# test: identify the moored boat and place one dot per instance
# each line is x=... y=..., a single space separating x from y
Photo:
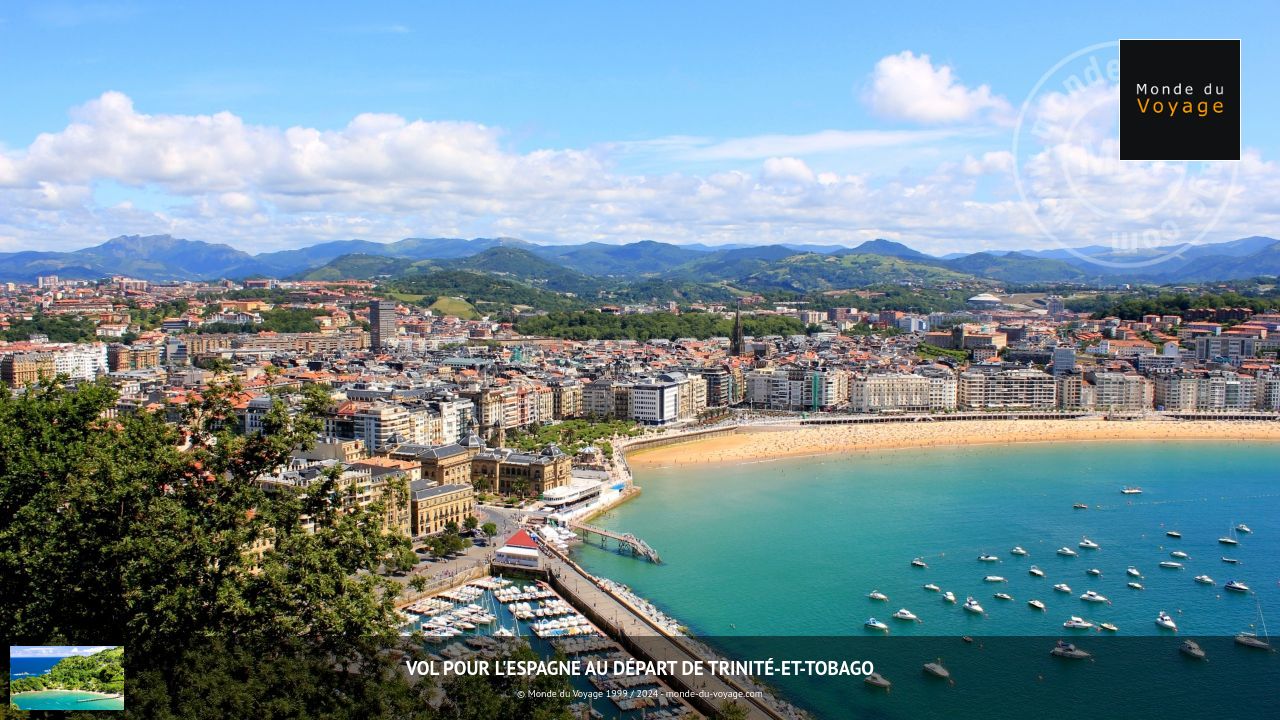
x=1133 y=572
x=1236 y=586
x=1067 y=552
x=994 y=579
x=1166 y=622
x=1036 y=604
x=1171 y=565
x=919 y=562
x=875 y=679
x=1230 y=561
x=1091 y=596
x=1130 y=490
x=877 y=595
x=1192 y=649
x=1036 y=571
x=1088 y=544
x=1204 y=580
x=971 y=605
x=1067 y=650
x=931 y=587
x=1179 y=554
x=1003 y=596
x=905 y=614
x=1173 y=534
x=937 y=670
x=988 y=558
x=1062 y=588
x=1095 y=572
x=1135 y=586
x=1077 y=623
x=1109 y=627
x=875 y=624
x=1018 y=550
x=949 y=596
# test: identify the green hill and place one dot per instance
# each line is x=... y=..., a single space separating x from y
x=455 y=307
x=101 y=672
x=812 y=271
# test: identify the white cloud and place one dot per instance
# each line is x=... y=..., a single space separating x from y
x=909 y=87
x=383 y=177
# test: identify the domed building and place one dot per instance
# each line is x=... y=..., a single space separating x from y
x=985 y=301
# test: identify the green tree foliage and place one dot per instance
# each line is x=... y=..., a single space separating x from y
x=151 y=318
x=571 y=435
x=1133 y=307
x=281 y=319
x=648 y=326
x=59 y=328
x=134 y=532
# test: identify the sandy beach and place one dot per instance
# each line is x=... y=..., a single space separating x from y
x=754 y=444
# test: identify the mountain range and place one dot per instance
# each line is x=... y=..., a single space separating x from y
x=598 y=266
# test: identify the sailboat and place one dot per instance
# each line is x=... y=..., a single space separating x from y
x=1251 y=639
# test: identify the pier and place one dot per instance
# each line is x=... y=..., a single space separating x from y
x=638 y=547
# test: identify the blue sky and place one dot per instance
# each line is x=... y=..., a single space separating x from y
x=28 y=651
x=622 y=111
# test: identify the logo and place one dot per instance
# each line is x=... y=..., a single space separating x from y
x=1116 y=213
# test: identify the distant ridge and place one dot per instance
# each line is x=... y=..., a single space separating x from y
x=582 y=266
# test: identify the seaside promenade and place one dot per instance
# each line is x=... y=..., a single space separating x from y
x=641 y=636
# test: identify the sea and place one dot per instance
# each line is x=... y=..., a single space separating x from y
x=24 y=666
x=776 y=559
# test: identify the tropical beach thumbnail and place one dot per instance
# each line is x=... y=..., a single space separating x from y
x=66 y=677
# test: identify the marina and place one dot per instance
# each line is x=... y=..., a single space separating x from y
x=702 y=548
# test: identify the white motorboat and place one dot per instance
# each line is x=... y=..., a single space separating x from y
x=1236 y=586
x=905 y=614
x=1171 y=565
x=1230 y=561
x=875 y=679
x=1065 y=649
x=1003 y=596
x=994 y=579
x=1036 y=604
x=1109 y=627
x=1204 y=580
x=875 y=624
x=1080 y=506
x=1166 y=622
x=1088 y=544
x=1134 y=490
x=1077 y=623
x=937 y=670
x=1179 y=554
x=1135 y=586
x=988 y=558
x=972 y=606
x=1018 y=550
x=1243 y=528
x=1067 y=552
x=931 y=587
x=1091 y=596
x=877 y=595
x=1173 y=534
x=919 y=562
x=1062 y=588
x=949 y=596
x=1095 y=572
x=1036 y=571
x=1133 y=572
x=1228 y=541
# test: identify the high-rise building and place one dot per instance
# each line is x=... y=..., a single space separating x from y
x=382 y=323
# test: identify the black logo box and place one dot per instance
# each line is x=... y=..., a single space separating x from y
x=1160 y=77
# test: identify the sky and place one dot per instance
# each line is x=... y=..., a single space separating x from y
x=59 y=651
x=275 y=125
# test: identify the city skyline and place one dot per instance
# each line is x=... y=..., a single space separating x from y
x=875 y=126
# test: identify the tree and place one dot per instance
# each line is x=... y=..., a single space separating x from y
x=418 y=583
x=403 y=559
x=470 y=523
x=489 y=529
x=132 y=530
x=451 y=527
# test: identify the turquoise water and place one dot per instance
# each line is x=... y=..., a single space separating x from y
x=793 y=547
x=65 y=700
